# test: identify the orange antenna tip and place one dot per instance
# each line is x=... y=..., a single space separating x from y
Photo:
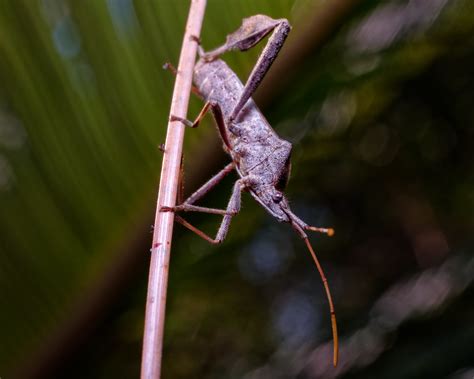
x=328 y=231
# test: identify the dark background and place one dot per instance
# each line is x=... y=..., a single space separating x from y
x=377 y=98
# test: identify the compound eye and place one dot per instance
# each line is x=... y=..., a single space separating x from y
x=277 y=197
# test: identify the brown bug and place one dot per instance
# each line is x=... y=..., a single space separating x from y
x=260 y=157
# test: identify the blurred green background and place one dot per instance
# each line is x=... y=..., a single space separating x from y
x=377 y=98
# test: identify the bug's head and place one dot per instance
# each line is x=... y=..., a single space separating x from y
x=275 y=202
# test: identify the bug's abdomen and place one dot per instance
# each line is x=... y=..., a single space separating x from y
x=217 y=82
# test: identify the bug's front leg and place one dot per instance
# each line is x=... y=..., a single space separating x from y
x=233 y=207
x=218 y=116
x=188 y=204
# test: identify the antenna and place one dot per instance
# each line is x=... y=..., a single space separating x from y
x=329 y=232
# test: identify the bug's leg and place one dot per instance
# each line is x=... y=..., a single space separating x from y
x=233 y=208
x=200 y=50
x=221 y=125
x=187 y=205
x=252 y=31
x=264 y=62
x=195 y=123
x=194 y=208
x=200 y=233
x=211 y=183
x=169 y=66
x=218 y=116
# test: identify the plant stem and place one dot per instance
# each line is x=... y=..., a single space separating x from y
x=163 y=229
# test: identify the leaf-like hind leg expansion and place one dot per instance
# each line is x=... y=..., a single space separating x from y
x=265 y=60
x=252 y=31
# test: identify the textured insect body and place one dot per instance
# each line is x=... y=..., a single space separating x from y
x=257 y=151
x=259 y=155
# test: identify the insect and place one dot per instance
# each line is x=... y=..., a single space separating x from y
x=260 y=157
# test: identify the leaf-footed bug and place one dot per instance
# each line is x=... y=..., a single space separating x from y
x=260 y=157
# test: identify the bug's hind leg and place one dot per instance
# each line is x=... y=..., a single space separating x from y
x=251 y=32
x=280 y=28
